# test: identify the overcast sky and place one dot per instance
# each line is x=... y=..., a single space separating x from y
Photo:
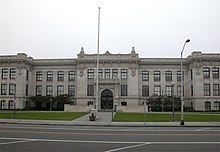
x=156 y=28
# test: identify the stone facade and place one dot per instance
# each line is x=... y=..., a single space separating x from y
x=125 y=80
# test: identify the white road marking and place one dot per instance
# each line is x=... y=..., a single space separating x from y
x=202 y=129
x=128 y=147
x=15 y=142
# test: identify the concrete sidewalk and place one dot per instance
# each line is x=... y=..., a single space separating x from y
x=105 y=119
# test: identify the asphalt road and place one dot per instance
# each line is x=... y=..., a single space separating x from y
x=42 y=138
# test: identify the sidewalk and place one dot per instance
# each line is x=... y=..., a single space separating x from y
x=105 y=119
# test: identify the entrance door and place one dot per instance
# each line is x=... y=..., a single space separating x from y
x=107 y=99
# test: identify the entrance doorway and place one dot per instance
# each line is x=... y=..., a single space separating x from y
x=107 y=99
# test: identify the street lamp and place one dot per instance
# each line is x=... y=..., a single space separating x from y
x=182 y=102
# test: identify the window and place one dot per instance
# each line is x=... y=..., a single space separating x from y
x=192 y=90
x=217 y=105
x=90 y=90
x=206 y=89
x=49 y=90
x=168 y=75
x=90 y=73
x=216 y=91
x=4 y=73
x=100 y=74
x=107 y=73
x=191 y=72
x=38 y=90
x=123 y=103
x=206 y=72
x=12 y=74
x=207 y=106
x=179 y=91
x=156 y=75
x=60 y=76
x=71 y=75
x=179 y=76
x=3 y=104
x=124 y=73
x=3 y=89
x=12 y=89
x=49 y=75
x=11 y=104
x=124 y=90
x=215 y=72
x=89 y=103
x=26 y=90
x=157 y=90
x=145 y=75
x=71 y=90
x=145 y=91
x=39 y=76
x=169 y=90
x=114 y=73
x=27 y=74
x=60 y=90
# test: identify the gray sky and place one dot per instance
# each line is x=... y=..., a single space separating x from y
x=156 y=28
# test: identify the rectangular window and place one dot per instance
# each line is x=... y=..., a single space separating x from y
x=145 y=91
x=49 y=90
x=12 y=89
x=107 y=73
x=71 y=75
x=207 y=106
x=26 y=90
x=71 y=90
x=206 y=89
x=169 y=90
x=124 y=73
x=11 y=104
x=60 y=90
x=179 y=91
x=90 y=90
x=145 y=75
x=39 y=76
x=192 y=90
x=4 y=73
x=123 y=103
x=100 y=74
x=191 y=72
x=38 y=90
x=60 y=76
x=3 y=104
x=215 y=72
x=89 y=103
x=114 y=73
x=124 y=90
x=216 y=90
x=156 y=75
x=3 y=89
x=49 y=75
x=206 y=72
x=27 y=74
x=90 y=73
x=179 y=75
x=12 y=74
x=157 y=90
x=168 y=75
x=217 y=105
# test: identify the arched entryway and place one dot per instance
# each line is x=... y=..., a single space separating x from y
x=107 y=99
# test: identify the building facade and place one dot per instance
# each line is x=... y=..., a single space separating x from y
x=125 y=81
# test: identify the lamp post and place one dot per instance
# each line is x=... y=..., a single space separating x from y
x=182 y=102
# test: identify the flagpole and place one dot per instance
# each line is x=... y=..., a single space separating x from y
x=97 y=68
